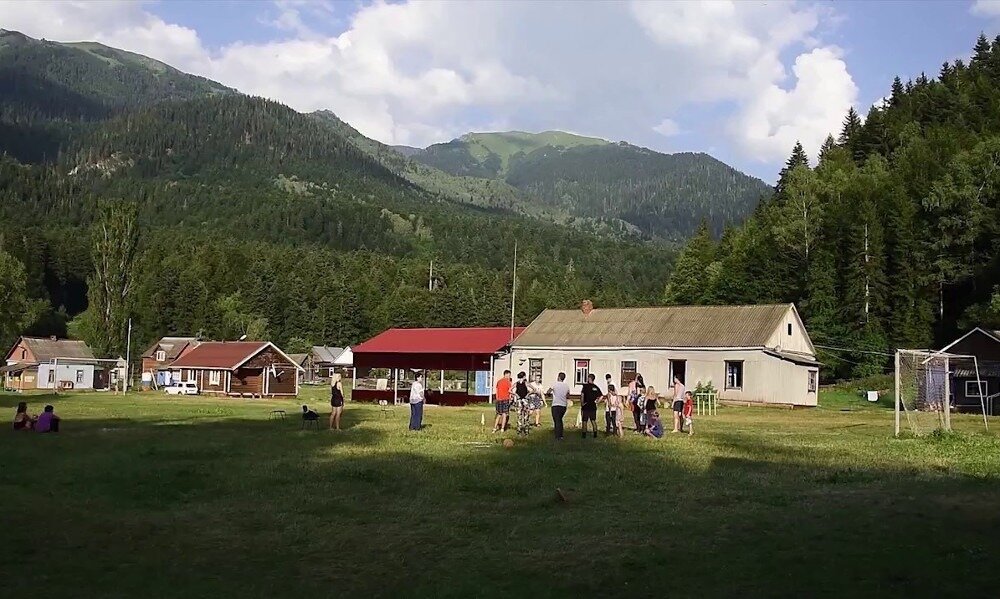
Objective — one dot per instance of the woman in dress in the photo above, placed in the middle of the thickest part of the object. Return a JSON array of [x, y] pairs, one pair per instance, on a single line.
[[636, 389], [336, 401]]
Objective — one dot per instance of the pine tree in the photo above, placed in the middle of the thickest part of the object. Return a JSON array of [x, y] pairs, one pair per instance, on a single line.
[[897, 94], [981, 51], [850, 128], [797, 158]]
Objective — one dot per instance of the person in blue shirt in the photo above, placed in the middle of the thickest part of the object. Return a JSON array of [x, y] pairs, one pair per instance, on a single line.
[[654, 428]]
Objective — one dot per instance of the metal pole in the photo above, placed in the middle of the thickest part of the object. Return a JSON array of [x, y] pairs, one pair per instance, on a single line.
[[947, 394], [489, 380], [128, 357], [354, 380], [395, 386], [513, 301], [55, 376], [898, 398], [442, 381], [979, 384]]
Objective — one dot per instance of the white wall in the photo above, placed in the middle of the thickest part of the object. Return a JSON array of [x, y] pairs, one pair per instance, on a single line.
[[765, 378], [66, 372], [798, 341]]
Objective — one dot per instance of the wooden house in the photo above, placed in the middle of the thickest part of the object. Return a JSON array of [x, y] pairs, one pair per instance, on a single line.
[[156, 360], [969, 393], [239, 368], [51, 363]]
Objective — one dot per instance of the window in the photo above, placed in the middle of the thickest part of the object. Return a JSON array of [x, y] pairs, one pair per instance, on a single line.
[[79, 376], [24, 354], [789, 329], [628, 372], [189, 375], [535, 370], [161, 355], [52, 376], [813, 380], [582, 371], [214, 377], [734, 375], [972, 388], [678, 368]]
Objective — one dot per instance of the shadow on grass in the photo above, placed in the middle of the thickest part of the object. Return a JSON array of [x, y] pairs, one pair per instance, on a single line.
[[203, 507]]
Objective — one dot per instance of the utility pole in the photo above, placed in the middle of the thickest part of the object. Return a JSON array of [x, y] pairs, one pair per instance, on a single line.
[[867, 290], [430, 278], [128, 357], [513, 301]]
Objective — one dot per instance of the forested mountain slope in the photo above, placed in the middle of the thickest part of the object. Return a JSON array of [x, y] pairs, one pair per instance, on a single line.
[[50, 91], [892, 239], [250, 212], [663, 195]]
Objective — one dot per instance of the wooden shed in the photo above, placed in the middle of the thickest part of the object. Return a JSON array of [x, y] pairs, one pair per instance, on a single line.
[[239, 368]]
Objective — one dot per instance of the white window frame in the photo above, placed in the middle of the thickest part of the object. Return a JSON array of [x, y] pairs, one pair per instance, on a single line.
[[161, 355], [52, 375], [812, 382], [742, 372], [621, 371], [577, 370], [79, 376], [972, 388], [214, 377], [531, 363]]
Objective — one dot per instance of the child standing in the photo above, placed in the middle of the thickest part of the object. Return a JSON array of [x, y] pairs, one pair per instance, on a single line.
[[613, 403], [688, 413]]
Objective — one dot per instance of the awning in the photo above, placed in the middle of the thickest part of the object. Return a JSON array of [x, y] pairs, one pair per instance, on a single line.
[[17, 367], [467, 349], [802, 359]]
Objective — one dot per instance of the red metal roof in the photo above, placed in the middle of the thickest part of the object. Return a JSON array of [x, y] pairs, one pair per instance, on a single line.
[[219, 354], [450, 349], [485, 340]]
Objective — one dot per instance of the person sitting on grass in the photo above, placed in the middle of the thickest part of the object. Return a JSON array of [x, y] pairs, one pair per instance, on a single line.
[[654, 428], [688, 413], [47, 422], [23, 421]]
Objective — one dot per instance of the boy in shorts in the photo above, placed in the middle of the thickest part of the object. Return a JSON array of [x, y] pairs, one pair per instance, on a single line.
[[589, 396], [503, 402]]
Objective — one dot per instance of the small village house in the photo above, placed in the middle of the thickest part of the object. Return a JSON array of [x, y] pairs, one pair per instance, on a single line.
[[239, 368], [324, 360], [967, 392], [51, 363], [306, 375], [759, 354], [156, 360]]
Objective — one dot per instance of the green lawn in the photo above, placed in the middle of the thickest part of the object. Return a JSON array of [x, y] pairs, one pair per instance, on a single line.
[[196, 497]]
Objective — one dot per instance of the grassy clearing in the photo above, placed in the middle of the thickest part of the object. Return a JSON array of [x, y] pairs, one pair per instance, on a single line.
[[192, 497]]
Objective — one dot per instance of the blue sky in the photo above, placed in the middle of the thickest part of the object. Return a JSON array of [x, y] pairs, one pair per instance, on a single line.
[[739, 80]]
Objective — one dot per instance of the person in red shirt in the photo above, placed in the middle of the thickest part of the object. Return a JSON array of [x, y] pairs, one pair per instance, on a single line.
[[688, 413], [503, 402]]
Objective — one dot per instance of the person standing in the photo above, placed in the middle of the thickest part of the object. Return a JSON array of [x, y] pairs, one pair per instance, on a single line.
[[613, 405], [536, 401], [609, 425], [417, 403], [503, 402], [678, 405], [688, 413], [589, 395], [521, 393], [560, 402], [336, 401], [651, 400], [637, 388]]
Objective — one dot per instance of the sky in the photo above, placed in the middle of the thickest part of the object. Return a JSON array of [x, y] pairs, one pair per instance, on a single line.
[[740, 80]]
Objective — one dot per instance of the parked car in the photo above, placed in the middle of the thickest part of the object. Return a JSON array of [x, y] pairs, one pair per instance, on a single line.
[[182, 388]]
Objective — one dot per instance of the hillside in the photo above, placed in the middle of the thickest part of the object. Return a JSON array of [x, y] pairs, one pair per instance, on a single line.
[[50, 91], [662, 195], [891, 240]]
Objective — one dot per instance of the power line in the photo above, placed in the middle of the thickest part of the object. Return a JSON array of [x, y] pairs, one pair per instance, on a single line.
[[854, 351]]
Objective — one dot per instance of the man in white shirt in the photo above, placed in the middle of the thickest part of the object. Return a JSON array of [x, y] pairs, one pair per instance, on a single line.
[[560, 402], [417, 403]]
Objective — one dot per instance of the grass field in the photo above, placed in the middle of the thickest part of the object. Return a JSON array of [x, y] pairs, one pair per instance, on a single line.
[[196, 497]]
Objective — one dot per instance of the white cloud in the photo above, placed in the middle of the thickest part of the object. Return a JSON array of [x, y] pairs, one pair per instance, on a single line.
[[776, 118], [422, 72], [667, 128], [985, 8]]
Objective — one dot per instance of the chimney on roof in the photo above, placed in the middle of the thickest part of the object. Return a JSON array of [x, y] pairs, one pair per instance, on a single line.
[[586, 306]]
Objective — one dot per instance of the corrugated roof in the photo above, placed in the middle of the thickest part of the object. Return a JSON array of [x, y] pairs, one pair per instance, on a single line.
[[45, 349], [298, 358], [219, 354], [666, 326], [172, 346], [482, 340], [323, 353]]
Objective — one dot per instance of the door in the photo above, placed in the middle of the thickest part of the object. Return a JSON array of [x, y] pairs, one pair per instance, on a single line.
[[678, 368]]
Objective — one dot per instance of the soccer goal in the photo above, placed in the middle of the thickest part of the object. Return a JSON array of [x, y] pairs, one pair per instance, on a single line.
[[934, 389]]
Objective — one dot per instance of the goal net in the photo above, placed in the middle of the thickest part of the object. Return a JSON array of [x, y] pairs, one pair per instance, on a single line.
[[938, 391]]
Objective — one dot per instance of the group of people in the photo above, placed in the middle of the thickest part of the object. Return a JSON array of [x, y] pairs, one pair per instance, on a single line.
[[46, 422], [528, 399]]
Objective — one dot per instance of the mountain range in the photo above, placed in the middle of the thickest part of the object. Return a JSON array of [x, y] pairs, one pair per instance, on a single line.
[[222, 180]]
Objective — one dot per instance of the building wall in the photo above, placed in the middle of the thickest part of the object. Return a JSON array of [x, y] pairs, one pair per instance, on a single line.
[[204, 378], [766, 379], [797, 341], [65, 372], [283, 384], [247, 380], [15, 353], [979, 345]]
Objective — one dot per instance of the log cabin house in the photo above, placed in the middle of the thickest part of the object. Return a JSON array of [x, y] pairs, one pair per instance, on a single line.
[[239, 368]]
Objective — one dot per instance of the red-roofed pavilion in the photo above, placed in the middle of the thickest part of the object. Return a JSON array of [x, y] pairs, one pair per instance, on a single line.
[[462, 349]]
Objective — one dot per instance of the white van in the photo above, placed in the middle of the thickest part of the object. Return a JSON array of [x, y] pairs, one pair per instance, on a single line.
[[182, 388]]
